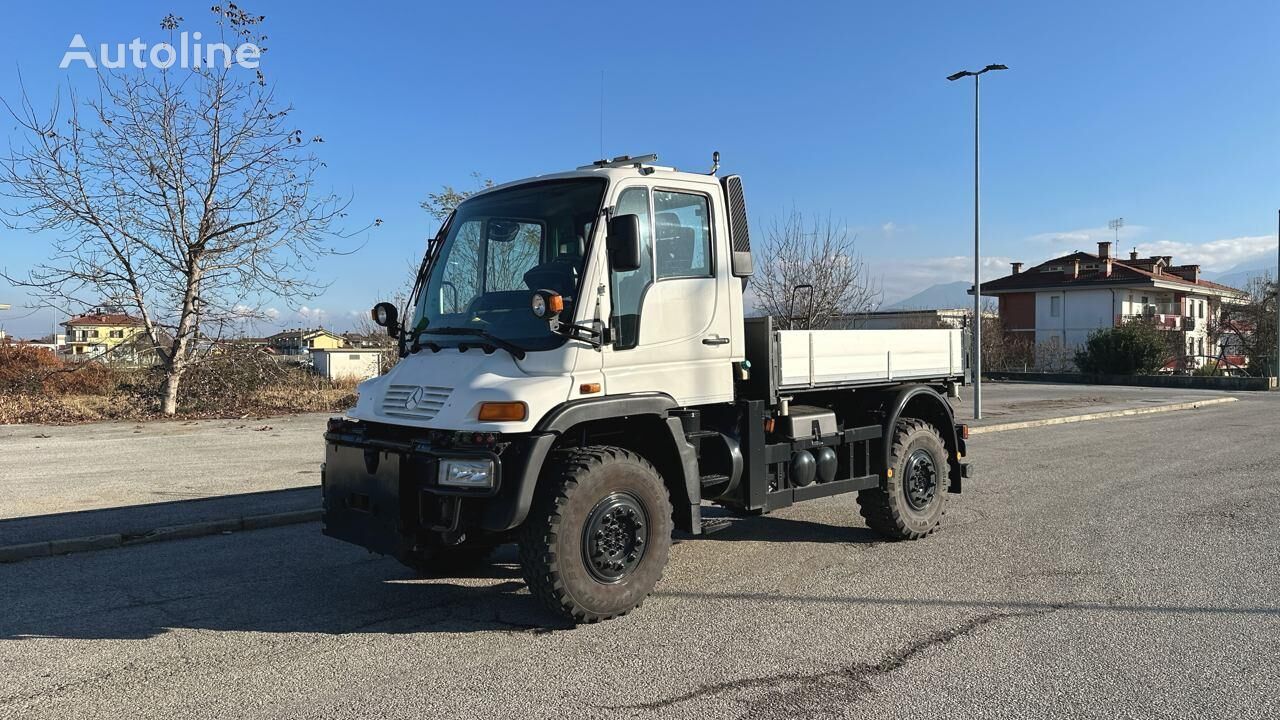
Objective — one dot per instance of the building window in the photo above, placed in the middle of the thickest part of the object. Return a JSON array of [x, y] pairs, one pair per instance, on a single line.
[[1201, 309], [1055, 306], [117, 334], [353, 357]]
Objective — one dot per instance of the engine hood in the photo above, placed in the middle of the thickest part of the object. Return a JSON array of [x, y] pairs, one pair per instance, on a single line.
[[443, 390]]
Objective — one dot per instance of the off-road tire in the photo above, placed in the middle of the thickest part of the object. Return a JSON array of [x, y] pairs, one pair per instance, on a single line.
[[573, 488], [889, 510], [444, 561]]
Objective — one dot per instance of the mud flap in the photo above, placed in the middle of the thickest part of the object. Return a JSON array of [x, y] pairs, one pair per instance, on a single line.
[[362, 497]]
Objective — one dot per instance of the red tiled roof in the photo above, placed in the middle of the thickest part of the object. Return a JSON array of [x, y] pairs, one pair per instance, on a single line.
[[119, 319], [1121, 272]]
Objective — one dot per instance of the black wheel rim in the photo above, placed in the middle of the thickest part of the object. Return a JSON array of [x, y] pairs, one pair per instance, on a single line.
[[920, 479], [613, 541]]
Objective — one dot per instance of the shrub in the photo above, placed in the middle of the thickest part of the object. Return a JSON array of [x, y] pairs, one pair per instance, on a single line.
[[35, 370], [1134, 348]]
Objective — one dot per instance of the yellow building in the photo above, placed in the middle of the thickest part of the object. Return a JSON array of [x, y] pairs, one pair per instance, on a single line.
[[300, 341], [97, 333]]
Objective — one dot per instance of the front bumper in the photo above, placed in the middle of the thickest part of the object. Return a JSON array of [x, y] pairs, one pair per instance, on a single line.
[[381, 489]]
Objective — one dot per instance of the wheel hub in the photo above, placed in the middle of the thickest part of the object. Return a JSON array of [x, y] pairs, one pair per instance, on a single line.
[[920, 479], [613, 541]]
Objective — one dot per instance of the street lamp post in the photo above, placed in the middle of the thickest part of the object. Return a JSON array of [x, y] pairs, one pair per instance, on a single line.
[[977, 257]]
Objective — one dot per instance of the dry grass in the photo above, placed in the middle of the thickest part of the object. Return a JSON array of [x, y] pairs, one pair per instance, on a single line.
[[227, 387]]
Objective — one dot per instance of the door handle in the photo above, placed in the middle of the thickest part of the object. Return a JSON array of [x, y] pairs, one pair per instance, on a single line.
[[715, 341]]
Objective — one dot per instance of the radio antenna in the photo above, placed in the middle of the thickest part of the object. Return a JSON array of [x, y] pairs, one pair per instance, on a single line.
[[602, 113]]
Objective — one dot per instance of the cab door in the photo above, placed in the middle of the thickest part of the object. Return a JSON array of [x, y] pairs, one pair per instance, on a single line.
[[670, 319]]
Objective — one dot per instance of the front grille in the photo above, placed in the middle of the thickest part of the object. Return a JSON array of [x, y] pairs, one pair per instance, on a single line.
[[418, 402]]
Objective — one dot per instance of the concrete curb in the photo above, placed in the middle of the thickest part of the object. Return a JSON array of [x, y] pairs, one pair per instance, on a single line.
[[978, 430], [26, 551]]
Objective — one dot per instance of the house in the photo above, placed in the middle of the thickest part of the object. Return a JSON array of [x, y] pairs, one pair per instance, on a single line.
[[299, 341], [380, 340], [98, 332], [347, 363], [1061, 301]]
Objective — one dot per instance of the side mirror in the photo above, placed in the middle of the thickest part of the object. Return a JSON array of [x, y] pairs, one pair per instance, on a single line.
[[386, 315], [624, 243], [546, 304]]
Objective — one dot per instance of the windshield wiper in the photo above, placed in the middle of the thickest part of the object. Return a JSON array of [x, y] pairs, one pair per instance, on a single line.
[[516, 351]]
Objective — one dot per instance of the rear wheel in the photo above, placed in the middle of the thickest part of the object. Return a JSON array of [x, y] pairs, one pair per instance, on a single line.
[[914, 497], [597, 538]]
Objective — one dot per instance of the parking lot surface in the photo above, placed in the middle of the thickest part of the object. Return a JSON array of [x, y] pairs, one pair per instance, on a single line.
[[1113, 569]]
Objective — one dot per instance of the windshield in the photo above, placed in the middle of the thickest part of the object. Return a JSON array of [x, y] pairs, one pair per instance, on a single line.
[[502, 246]]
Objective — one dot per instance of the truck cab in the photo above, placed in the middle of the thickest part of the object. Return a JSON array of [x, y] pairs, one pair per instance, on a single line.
[[577, 375]]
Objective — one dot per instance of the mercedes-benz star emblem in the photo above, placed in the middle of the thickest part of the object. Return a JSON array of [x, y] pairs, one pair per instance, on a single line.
[[414, 399]]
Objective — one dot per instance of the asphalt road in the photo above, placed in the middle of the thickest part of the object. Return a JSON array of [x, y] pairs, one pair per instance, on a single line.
[[1112, 569]]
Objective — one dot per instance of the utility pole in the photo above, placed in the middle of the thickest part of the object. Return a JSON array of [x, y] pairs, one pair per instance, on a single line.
[[977, 248]]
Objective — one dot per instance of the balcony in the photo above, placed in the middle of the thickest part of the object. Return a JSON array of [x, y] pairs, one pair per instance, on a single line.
[[1164, 321]]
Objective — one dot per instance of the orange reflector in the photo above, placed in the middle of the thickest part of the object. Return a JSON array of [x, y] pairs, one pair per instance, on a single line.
[[768, 425], [888, 473], [588, 388], [503, 411], [964, 431], [555, 304]]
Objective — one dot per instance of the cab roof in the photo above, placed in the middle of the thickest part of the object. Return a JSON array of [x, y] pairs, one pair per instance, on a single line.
[[619, 168]]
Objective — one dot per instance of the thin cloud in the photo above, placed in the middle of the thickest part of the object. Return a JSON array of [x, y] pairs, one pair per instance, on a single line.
[[905, 277], [1086, 239], [1215, 255]]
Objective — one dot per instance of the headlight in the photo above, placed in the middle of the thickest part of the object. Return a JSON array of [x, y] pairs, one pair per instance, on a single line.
[[470, 473]]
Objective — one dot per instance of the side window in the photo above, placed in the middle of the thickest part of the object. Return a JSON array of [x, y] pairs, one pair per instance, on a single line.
[[628, 288], [683, 235]]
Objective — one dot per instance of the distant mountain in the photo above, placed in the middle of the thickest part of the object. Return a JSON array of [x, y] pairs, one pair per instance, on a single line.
[[943, 295], [1240, 275]]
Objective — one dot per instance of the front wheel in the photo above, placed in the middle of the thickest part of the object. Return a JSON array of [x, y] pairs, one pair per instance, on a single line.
[[597, 538], [914, 496]]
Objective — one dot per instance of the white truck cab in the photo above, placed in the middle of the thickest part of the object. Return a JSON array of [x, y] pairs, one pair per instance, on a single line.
[[578, 375], [671, 320]]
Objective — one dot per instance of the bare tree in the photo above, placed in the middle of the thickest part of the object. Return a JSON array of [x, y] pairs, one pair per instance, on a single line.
[[441, 204], [184, 195], [1248, 327], [821, 255]]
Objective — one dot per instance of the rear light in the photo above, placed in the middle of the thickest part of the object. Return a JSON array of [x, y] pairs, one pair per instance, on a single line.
[[964, 432]]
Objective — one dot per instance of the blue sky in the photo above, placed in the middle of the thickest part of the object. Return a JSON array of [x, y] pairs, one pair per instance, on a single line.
[[1163, 113]]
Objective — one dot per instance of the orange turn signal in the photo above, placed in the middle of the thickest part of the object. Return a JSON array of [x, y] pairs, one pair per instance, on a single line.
[[503, 411], [964, 432], [555, 304], [589, 388]]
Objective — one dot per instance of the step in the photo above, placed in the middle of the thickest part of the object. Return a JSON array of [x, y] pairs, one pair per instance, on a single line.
[[711, 480]]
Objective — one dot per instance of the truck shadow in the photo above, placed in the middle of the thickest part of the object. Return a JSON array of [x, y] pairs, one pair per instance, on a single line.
[[776, 529], [141, 592], [289, 579], [293, 580]]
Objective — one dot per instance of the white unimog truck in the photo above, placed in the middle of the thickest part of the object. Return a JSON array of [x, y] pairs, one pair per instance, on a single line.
[[578, 376]]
